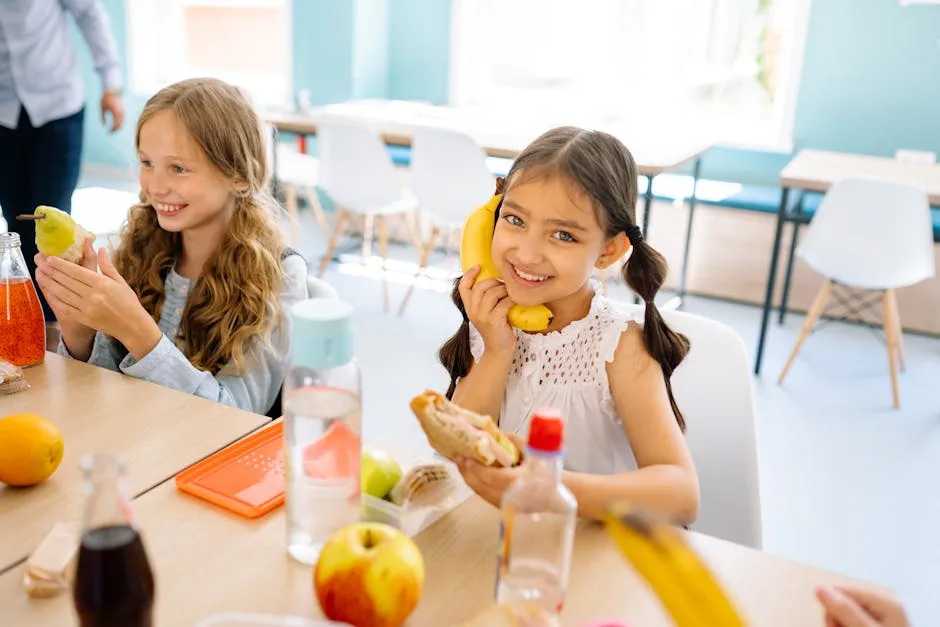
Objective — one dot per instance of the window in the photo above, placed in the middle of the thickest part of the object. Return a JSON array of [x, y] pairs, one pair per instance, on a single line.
[[244, 42], [731, 66]]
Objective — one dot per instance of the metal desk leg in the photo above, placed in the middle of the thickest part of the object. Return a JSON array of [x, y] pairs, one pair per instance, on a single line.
[[275, 185], [771, 278], [688, 228], [785, 297], [647, 204]]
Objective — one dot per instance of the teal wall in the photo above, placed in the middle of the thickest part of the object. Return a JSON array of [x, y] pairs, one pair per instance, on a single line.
[[869, 81]]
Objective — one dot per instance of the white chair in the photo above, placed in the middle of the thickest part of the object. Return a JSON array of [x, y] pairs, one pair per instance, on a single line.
[[873, 235], [720, 433], [450, 178], [318, 288], [358, 174], [295, 172]]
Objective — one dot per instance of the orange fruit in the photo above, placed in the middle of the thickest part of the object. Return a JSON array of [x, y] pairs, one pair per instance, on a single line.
[[31, 448]]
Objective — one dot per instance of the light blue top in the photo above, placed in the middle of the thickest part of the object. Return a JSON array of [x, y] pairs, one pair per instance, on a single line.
[[321, 333], [38, 62], [255, 390]]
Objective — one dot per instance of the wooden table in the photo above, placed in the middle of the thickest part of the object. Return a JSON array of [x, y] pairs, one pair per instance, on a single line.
[[208, 561], [817, 171], [159, 431], [504, 134]]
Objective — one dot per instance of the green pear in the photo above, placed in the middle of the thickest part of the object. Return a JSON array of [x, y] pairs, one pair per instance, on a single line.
[[380, 473], [58, 235]]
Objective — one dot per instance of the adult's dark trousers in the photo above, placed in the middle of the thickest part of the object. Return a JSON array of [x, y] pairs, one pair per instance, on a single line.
[[39, 165]]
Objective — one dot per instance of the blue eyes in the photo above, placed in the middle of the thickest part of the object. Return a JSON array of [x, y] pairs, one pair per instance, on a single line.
[[178, 169], [516, 221]]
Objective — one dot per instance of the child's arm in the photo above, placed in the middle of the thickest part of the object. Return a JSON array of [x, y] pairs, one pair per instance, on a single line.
[[487, 304], [666, 481], [483, 388], [255, 389]]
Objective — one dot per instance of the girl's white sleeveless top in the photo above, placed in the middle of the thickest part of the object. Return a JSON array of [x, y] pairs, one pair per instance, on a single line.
[[566, 370]]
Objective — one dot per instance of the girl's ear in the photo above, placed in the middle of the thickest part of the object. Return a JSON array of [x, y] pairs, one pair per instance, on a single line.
[[240, 187], [615, 248]]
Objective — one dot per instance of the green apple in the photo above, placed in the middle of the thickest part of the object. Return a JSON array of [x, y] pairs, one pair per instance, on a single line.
[[380, 473]]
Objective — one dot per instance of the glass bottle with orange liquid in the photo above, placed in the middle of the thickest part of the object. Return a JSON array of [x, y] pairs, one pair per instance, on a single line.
[[22, 324]]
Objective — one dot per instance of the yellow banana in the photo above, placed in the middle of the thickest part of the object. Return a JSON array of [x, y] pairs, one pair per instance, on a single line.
[[680, 579], [476, 249]]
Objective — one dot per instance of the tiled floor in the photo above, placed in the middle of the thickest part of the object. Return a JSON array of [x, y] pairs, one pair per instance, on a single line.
[[848, 483]]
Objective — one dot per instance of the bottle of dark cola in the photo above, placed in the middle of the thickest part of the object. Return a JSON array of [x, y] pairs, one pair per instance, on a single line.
[[113, 581]]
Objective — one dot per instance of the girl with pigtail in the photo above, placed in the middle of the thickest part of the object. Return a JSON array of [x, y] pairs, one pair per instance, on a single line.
[[569, 206]]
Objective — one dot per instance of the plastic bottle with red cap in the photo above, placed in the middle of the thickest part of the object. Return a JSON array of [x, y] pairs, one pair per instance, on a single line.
[[537, 524]]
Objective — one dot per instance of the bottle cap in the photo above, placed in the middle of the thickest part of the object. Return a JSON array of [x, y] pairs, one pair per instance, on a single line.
[[546, 431], [321, 333]]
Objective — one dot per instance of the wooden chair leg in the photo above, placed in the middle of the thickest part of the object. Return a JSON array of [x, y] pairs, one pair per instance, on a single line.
[[422, 264], [819, 305], [383, 251], [410, 219], [898, 331], [341, 217], [318, 214], [293, 216], [890, 321]]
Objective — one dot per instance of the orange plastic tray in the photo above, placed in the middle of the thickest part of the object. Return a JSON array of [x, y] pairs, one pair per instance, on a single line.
[[246, 478]]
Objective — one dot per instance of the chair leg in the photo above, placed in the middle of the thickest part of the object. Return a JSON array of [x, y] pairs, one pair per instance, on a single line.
[[890, 321], [410, 219], [383, 250], [819, 305], [290, 203], [898, 331], [368, 234], [317, 209], [422, 264], [341, 217]]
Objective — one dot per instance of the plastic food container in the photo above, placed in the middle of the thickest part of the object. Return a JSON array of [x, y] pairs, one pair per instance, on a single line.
[[415, 516], [239, 619]]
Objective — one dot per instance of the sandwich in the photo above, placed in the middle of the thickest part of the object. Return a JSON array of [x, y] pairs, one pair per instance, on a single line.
[[454, 432]]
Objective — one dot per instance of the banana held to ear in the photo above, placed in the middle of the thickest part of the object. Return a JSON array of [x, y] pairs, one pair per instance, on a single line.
[[680, 579], [475, 249]]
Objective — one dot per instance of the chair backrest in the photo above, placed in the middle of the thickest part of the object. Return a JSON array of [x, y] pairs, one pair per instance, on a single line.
[[915, 157], [449, 174], [712, 386], [318, 288], [870, 233], [355, 167]]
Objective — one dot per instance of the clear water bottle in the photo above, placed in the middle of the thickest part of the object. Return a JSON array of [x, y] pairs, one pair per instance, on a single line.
[[538, 518], [322, 404]]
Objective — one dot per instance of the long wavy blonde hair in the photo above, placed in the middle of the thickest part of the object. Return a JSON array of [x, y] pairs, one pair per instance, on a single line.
[[235, 301]]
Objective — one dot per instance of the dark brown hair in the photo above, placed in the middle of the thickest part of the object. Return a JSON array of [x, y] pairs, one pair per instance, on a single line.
[[604, 169]]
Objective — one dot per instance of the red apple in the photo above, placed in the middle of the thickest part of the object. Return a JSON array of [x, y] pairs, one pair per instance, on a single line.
[[369, 575]]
